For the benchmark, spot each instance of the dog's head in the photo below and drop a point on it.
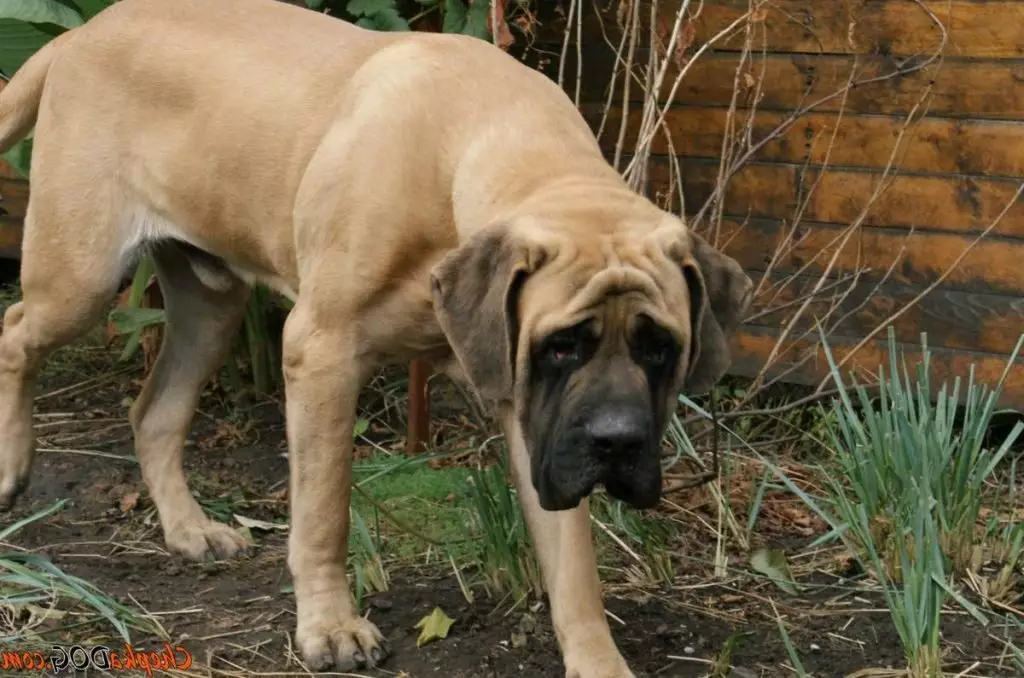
(590, 336)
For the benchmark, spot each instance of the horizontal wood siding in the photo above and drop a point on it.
(943, 137)
(992, 29)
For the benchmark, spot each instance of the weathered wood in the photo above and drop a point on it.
(963, 320)
(10, 238)
(418, 428)
(992, 266)
(991, 29)
(752, 345)
(13, 198)
(8, 172)
(954, 204)
(982, 147)
(959, 87)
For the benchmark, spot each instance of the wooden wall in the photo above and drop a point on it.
(957, 166)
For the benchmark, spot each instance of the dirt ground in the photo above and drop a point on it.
(235, 617)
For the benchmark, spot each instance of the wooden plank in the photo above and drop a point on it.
(951, 318)
(417, 436)
(992, 148)
(993, 29)
(13, 198)
(992, 266)
(7, 172)
(10, 238)
(752, 345)
(959, 88)
(947, 203)
(975, 29)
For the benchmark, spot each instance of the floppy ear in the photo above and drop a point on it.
(720, 293)
(475, 293)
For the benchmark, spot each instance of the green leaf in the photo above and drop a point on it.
(362, 425)
(433, 627)
(18, 42)
(368, 7)
(20, 156)
(387, 20)
(476, 20)
(128, 319)
(772, 563)
(40, 12)
(90, 8)
(454, 16)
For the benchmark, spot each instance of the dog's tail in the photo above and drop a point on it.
(19, 100)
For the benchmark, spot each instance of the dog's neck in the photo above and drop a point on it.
(533, 179)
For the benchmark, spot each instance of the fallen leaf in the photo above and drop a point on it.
(433, 627)
(254, 524)
(129, 501)
(772, 563)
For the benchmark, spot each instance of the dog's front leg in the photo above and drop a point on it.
(565, 548)
(322, 382)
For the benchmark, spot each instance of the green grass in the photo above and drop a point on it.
(466, 517)
(432, 502)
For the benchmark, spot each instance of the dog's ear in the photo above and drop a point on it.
(475, 293)
(720, 293)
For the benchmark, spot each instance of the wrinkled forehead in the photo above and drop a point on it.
(605, 284)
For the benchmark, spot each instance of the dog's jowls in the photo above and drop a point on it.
(416, 195)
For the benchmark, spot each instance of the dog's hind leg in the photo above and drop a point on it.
(204, 304)
(69, 276)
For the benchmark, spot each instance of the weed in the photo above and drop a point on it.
(505, 557)
(32, 589)
(910, 495)
(794, 656)
(648, 535)
(365, 558)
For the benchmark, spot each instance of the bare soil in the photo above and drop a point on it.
(236, 617)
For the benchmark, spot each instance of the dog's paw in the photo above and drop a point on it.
(343, 644)
(15, 465)
(205, 540)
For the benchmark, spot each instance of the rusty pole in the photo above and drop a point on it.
(419, 407)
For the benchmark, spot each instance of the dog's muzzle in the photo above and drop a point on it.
(617, 446)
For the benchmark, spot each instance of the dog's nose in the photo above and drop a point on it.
(616, 430)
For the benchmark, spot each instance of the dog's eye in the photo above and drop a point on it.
(657, 354)
(653, 347)
(563, 350)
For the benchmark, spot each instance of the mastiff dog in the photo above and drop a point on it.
(417, 196)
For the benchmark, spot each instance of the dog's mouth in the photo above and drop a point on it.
(565, 476)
